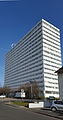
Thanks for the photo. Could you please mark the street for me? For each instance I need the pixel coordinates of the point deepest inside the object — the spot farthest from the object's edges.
(8, 112)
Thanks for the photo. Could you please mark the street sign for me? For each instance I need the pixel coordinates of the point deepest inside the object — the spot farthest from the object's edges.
(22, 90)
(22, 94)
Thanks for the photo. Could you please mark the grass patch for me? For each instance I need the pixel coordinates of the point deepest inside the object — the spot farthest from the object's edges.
(25, 104)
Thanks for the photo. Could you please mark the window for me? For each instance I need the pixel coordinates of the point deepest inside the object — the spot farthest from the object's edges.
(58, 102)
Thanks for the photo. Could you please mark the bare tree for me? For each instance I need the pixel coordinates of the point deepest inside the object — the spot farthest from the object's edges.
(35, 89)
(5, 90)
(31, 89)
(26, 88)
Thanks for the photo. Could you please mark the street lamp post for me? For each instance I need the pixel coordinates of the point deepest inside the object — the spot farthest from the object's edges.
(31, 88)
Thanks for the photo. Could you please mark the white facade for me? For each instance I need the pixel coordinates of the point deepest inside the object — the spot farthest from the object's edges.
(36, 57)
(60, 79)
(51, 58)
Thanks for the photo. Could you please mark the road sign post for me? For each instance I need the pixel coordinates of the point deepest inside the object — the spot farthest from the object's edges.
(22, 94)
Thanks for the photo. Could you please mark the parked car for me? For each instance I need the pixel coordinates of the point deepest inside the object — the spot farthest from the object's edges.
(57, 105)
(2, 96)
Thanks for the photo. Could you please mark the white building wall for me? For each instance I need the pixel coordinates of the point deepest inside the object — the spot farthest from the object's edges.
(36, 57)
(51, 58)
(24, 63)
(60, 78)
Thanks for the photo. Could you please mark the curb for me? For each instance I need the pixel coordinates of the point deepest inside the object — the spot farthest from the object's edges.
(17, 106)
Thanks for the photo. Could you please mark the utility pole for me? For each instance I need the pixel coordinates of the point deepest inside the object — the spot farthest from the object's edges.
(31, 88)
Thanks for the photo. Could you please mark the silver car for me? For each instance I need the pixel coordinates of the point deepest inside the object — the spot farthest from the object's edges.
(57, 105)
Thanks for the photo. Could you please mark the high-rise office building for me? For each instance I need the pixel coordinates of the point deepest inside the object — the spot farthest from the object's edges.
(35, 57)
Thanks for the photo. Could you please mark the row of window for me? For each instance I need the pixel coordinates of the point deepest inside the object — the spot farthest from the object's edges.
(22, 76)
(51, 92)
(51, 61)
(51, 83)
(27, 43)
(30, 62)
(29, 51)
(51, 87)
(33, 72)
(33, 65)
(51, 34)
(21, 71)
(50, 30)
(57, 47)
(52, 58)
(51, 42)
(50, 78)
(30, 34)
(49, 73)
(30, 66)
(24, 58)
(51, 51)
(25, 81)
(51, 26)
(37, 78)
(49, 69)
(51, 65)
(22, 84)
(44, 34)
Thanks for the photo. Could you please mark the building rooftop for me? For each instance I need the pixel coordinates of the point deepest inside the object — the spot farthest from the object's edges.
(60, 70)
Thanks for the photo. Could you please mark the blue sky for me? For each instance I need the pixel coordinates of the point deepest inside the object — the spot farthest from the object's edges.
(18, 17)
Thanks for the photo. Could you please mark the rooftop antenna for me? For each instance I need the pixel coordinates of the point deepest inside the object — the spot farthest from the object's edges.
(13, 45)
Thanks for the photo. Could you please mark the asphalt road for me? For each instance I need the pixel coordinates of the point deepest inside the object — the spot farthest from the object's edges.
(14, 113)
